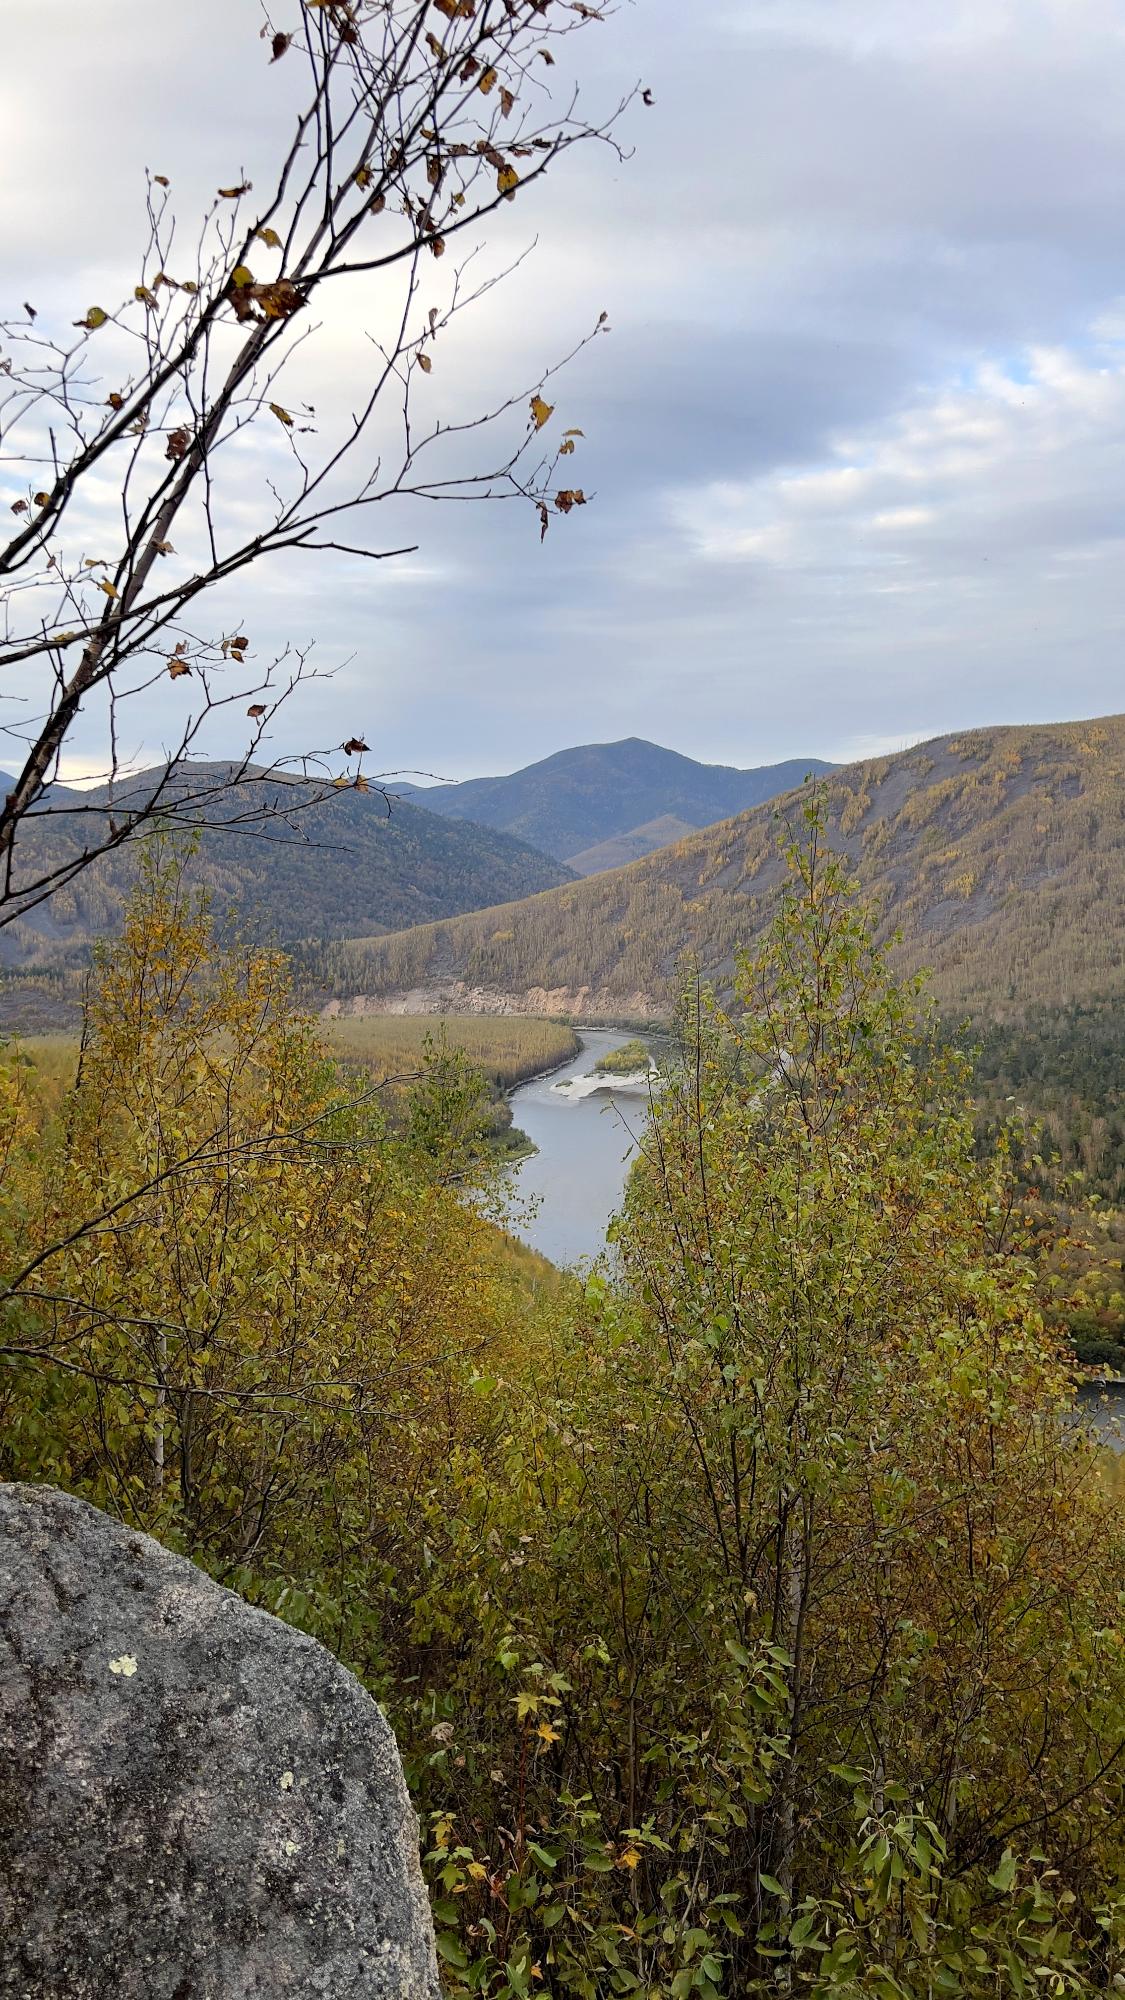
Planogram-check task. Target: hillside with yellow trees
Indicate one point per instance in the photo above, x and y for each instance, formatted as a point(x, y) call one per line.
point(748, 1613)
point(998, 854)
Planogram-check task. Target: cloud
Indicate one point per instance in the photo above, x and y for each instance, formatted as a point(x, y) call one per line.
point(857, 441)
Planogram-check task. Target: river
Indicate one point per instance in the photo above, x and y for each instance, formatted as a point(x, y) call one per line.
point(571, 1187)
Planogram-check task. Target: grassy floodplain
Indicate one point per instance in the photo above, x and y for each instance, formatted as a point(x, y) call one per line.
point(508, 1048)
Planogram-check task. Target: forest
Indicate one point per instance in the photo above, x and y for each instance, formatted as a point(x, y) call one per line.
point(748, 1612)
point(996, 858)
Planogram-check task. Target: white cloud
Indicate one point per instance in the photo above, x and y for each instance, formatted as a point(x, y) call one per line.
point(1021, 464)
point(856, 445)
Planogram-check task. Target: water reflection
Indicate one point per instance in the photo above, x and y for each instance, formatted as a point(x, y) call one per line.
point(577, 1177)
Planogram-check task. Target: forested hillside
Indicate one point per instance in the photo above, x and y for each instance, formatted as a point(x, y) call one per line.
point(326, 864)
point(597, 791)
point(621, 848)
point(999, 854)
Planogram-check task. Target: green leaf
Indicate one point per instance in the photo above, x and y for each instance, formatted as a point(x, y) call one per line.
point(1005, 1874)
point(451, 1950)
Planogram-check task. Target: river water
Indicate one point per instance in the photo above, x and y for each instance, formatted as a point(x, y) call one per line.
point(570, 1188)
point(568, 1191)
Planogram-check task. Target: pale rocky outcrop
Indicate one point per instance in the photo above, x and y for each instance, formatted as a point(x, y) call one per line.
point(584, 1004)
point(196, 1802)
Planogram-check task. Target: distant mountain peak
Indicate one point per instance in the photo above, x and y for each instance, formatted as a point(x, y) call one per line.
point(997, 853)
point(576, 800)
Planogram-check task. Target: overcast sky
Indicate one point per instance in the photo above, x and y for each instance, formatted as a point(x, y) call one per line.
point(857, 437)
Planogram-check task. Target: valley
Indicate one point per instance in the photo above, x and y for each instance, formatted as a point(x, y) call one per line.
point(995, 857)
point(562, 1294)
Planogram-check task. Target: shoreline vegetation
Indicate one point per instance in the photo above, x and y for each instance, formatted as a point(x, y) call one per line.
point(632, 1059)
point(726, 1734)
point(507, 1050)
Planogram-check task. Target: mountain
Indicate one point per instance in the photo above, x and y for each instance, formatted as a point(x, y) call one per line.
point(999, 854)
point(321, 866)
point(621, 848)
point(578, 798)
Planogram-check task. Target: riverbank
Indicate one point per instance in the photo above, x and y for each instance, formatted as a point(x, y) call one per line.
point(585, 1142)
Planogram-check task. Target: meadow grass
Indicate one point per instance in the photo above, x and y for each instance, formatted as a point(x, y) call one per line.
point(508, 1048)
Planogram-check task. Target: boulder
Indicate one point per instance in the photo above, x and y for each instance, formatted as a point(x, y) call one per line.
point(196, 1802)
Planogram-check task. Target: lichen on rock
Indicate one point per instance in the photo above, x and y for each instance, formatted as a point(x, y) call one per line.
point(196, 1802)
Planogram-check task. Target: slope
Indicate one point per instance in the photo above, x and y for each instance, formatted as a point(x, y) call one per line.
point(621, 848)
point(999, 854)
point(326, 864)
point(578, 798)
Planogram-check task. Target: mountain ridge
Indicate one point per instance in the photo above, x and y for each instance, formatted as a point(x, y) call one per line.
point(578, 798)
point(316, 858)
point(999, 853)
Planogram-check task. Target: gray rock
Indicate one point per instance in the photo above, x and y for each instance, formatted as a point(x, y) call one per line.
point(196, 1803)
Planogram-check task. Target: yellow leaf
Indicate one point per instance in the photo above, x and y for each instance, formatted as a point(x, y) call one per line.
point(488, 81)
point(146, 297)
point(269, 237)
point(242, 275)
point(232, 194)
point(41, 499)
point(546, 1734)
point(176, 668)
point(630, 1857)
point(95, 317)
point(107, 587)
point(507, 180)
point(282, 416)
point(541, 411)
point(164, 548)
point(574, 434)
point(363, 177)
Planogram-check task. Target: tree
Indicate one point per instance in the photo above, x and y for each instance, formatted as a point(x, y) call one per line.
point(226, 1289)
point(419, 123)
point(795, 1589)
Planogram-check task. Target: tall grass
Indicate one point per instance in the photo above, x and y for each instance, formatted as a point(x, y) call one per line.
point(507, 1048)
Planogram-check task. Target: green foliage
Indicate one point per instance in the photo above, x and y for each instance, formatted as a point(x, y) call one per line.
point(749, 1616)
point(775, 1642)
point(625, 1061)
point(226, 1287)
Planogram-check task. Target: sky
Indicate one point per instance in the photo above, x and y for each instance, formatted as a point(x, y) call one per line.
point(856, 439)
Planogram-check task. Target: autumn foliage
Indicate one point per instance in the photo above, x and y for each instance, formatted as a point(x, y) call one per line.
point(749, 1614)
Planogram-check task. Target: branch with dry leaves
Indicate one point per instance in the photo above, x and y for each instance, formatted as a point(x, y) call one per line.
point(164, 446)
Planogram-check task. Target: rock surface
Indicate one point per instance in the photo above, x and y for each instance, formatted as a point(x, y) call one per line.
point(196, 1803)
